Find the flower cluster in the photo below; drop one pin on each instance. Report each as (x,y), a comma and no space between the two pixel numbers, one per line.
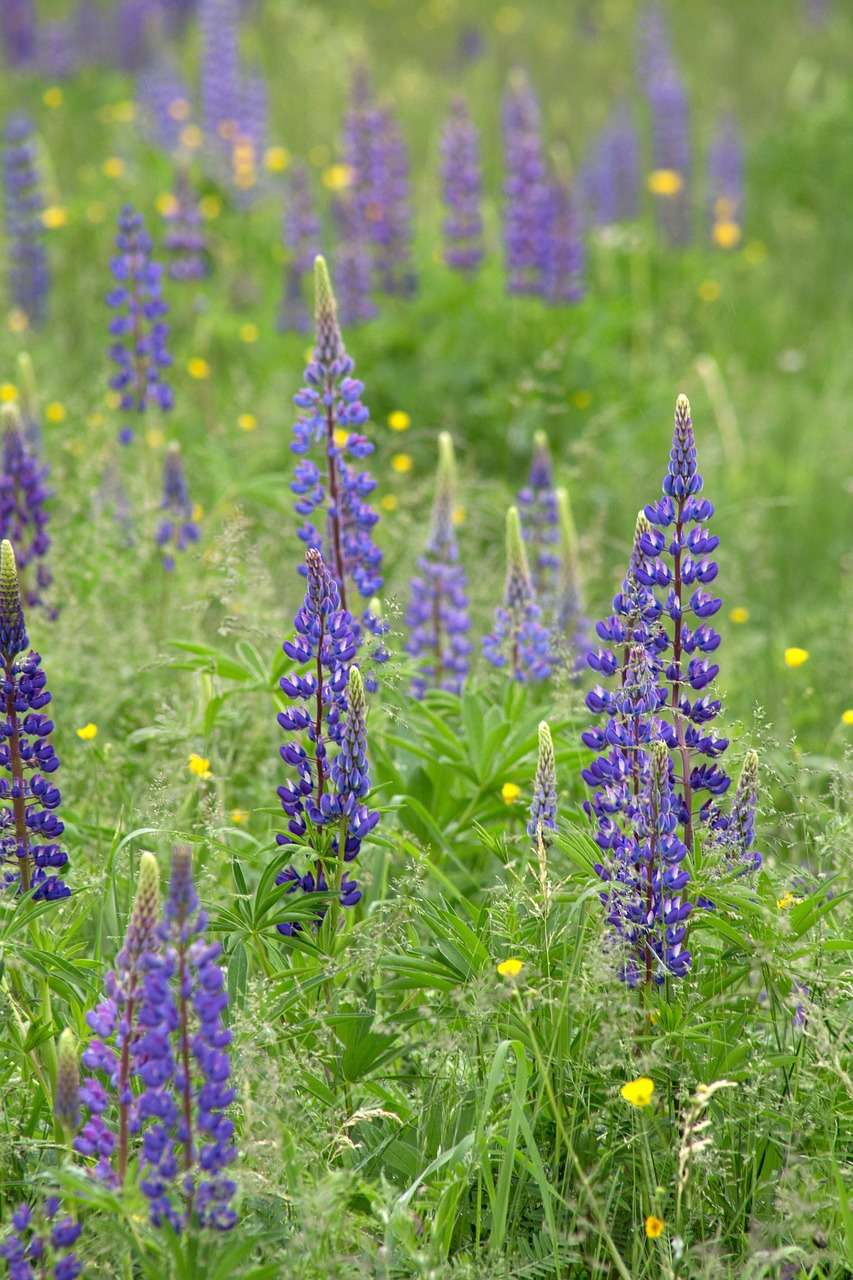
(302,242)
(41,1241)
(725,185)
(437,616)
(29,827)
(29,273)
(353,265)
(462,189)
(669,180)
(160,1029)
(164,103)
(325,802)
(332,414)
(525,187)
(23,516)
(537,505)
(562,254)
(179,527)
(543,807)
(518,641)
(610,180)
(184,239)
(19,28)
(140,346)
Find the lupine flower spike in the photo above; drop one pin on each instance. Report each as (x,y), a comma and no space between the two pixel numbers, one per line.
(462,190)
(333,714)
(23,516)
(562,245)
(43,1240)
(302,243)
(518,642)
(66,1102)
(29,273)
(329,425)
(29,827)
(725,185)
(184,239)
(543,808)
(735,833)
(537,504)
(179,527)
(140,346)
(525,186)
(438,610)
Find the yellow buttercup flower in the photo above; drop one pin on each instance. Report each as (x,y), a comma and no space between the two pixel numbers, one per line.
(276,159)
(210,207)
(847,717)
(726,234)
(710,290)
(510,792)
(8,392)
(341,435)
(166,204)
(76,448)
(88,732)
(654,1227)
(124,112)
(638,1092)
(389,502)
(796,657)
(17,321)
(95,420)
(52,97)
(665,182)
(155,437)
(510,968)
(459,514)
(54,216)
(113,167)
(787,900)
(582,399)
(198,368)
(249,333)
(112,399)
(399,420)
(337,177)
(401,463)
(191,137)
(247,422)
(200,766)
(55,412)
(240,816)
(198,511)
(739,615)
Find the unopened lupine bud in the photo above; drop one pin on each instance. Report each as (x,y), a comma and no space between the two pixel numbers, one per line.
(518,590)
(66,1107)
(744,807)
(442,538)
(543,809)
(141,935)
(329,344)
(13,631)
(683,478)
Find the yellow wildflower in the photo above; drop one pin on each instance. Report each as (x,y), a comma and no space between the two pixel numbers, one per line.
(389,502)
(654,1227)
(726,234)
(200,766)
(337,177)
(582,399)
(665,182)
(510,792)
(155,437)
(249,333)
(401,463)
(276,159)
(739,614)
(124,112)
(638,1092)
(508,20)
(247,422)
(112,399)
(210,207)
(191,137)
(87,732)
(113,167)
(8,392)
(17,321)
(52,97)
(341,436)
(787,900)
(847,717)
(198,368)
(459,514)
(796,657)
(710,290)
(399,420)
(54,216)
(240,816)
(166,204)
(510,968)
(55,412)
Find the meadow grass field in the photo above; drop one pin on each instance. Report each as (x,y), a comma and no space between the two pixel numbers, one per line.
(574,1021)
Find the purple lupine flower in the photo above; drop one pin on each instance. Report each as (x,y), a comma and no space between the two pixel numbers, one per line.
(88,33)
(353,266)
(734,833)
(562,250)
(437,616)
(114,1049)
(140,346)
(29,272)
(816,12)
(164,103)
(543,807)
(324,794)
(525,186)
(57,49)
(132,20)
(330,421)
(250,137)
(23,518)
(29,827)
(725,185)
(219,22)
(183,1064)
(302,243)
(654,46)
(42,1240)
(462,189)
(611,184)
(179,527)
(518,642)
(537,505)
(669,180)
(19,29)
(570,624)
(184,240)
